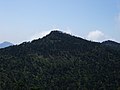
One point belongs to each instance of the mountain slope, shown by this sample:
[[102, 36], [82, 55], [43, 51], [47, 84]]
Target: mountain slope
[[59, 61], [5, 44]]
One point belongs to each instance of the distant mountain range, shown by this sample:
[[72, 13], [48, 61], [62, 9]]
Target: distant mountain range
[[5, 44], [60, 61]]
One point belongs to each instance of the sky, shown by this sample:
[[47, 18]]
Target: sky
[[25, 20]]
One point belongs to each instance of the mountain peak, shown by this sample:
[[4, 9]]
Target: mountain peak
[[55, 31], [56, 34], [5, 44]]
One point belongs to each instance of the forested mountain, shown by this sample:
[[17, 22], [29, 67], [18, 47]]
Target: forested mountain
[[112, 44], [5, 44], [60, 61]]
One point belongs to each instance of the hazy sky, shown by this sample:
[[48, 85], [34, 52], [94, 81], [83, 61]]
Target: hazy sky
[[23, 20]]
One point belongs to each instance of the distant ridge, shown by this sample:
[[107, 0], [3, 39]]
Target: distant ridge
[[112, 44], [5, 44]]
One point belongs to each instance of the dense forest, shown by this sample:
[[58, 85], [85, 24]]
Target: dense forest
[[60, 61]]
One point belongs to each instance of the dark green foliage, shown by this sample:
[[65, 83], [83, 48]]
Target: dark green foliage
[[60, 61]]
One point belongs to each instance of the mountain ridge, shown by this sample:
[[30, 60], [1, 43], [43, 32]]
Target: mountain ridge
[[5, 44], [59, 61]]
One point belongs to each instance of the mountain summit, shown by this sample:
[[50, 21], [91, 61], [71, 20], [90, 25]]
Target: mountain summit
[[60, 61]]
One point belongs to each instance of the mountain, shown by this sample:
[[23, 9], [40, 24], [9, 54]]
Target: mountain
[[60, 61], [112, 44], [5, 44]]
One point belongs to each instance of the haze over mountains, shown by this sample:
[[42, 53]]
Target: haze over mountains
[[60, 61], [5, 44]]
